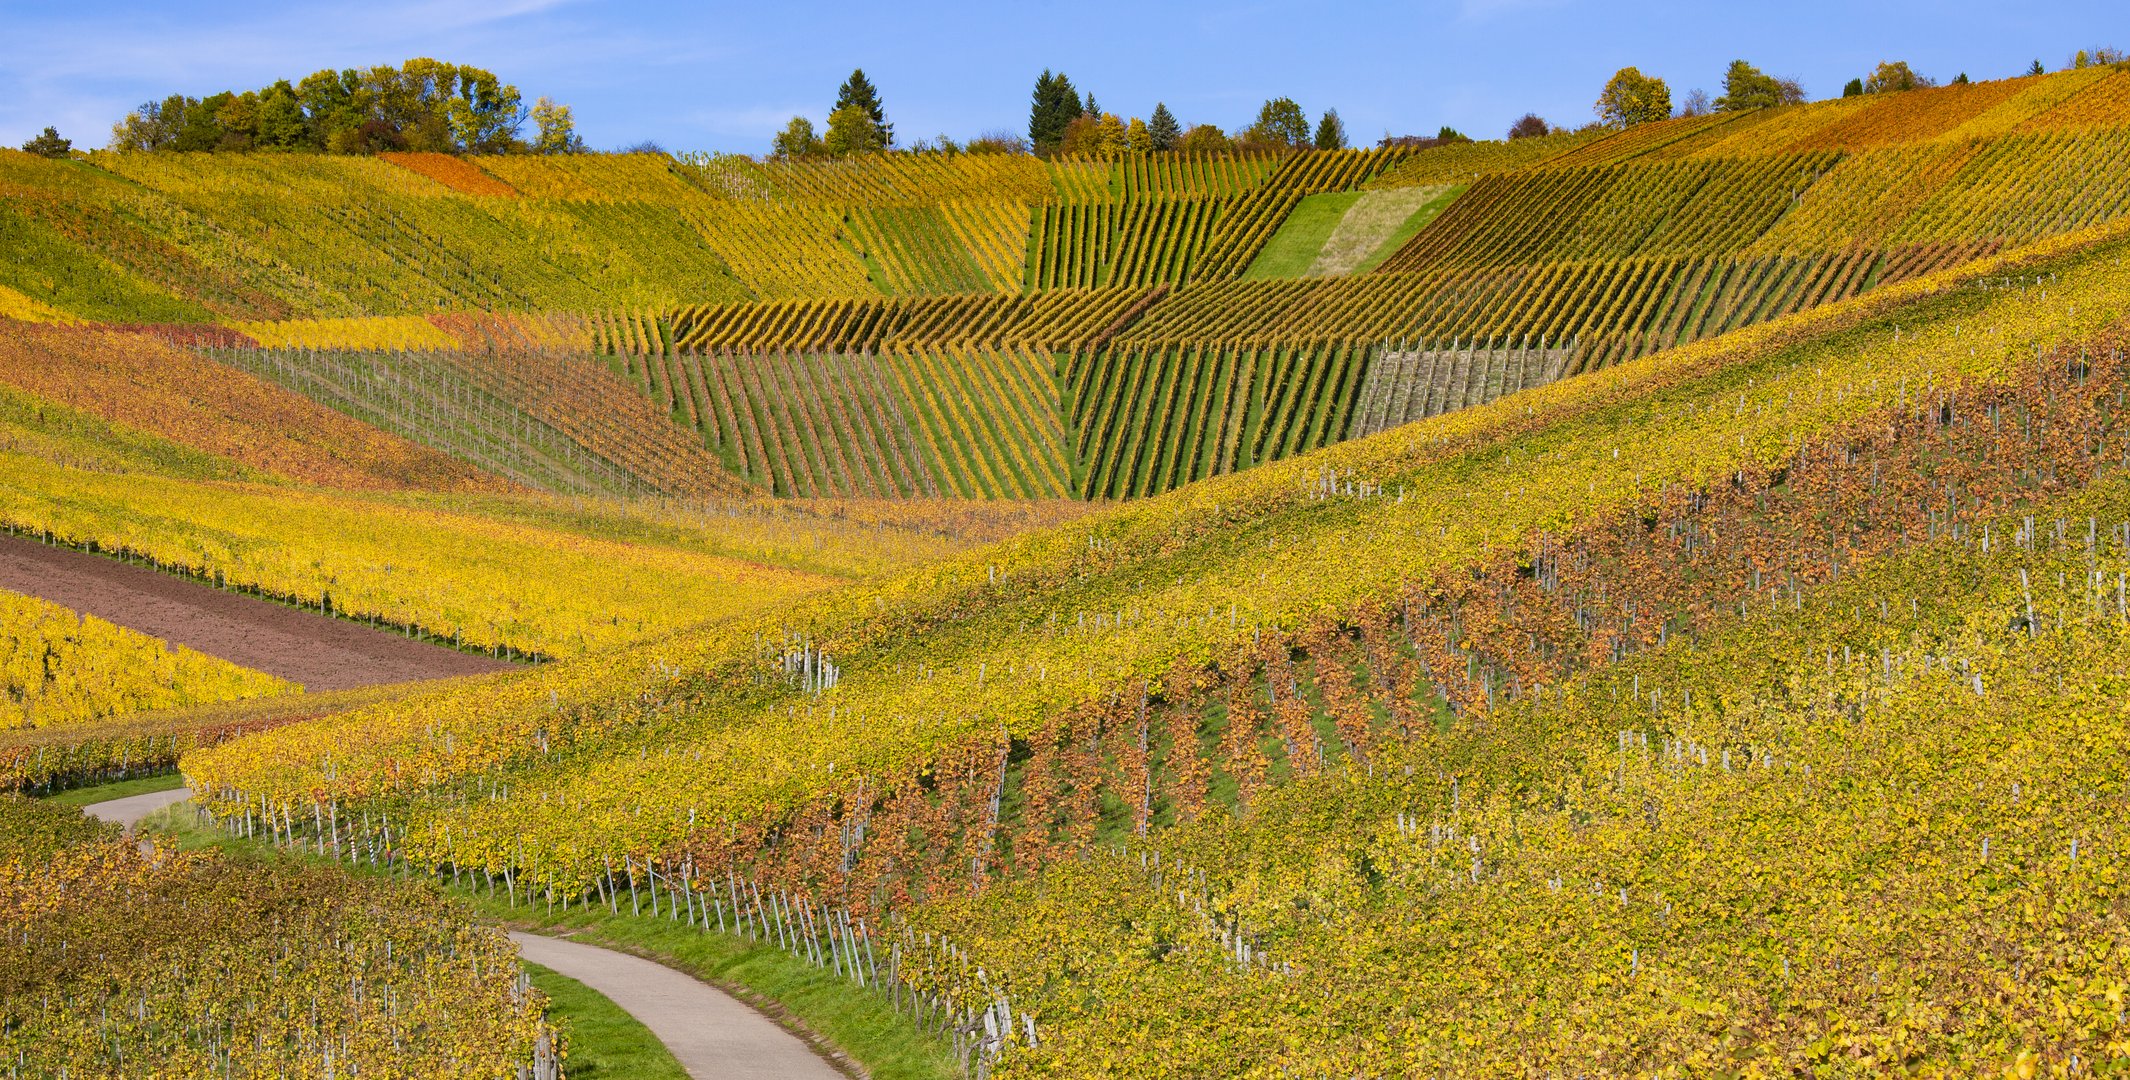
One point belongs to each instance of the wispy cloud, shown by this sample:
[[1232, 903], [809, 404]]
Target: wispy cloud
[[754, 121]]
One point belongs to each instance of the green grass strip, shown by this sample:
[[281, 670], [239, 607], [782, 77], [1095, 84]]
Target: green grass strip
[[604, 1042], [118, 789], [857, 1022], [1301, 237]]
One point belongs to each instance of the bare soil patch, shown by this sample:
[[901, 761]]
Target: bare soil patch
[[319, 652]]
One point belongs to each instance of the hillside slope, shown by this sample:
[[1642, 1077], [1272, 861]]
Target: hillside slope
[[1175, 596]]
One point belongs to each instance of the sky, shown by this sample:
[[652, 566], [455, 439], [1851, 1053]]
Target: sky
[[726, 77]]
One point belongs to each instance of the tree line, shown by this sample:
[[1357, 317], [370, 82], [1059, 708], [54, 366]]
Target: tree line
[[1630, 97], [1061, 120], [422, 105], [430, 105]]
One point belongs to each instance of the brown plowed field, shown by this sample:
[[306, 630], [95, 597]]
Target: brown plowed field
[[319, 652]]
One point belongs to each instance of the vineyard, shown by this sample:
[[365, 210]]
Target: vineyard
[[42, 760], [60, 668], [967, 423], [119, 962], [1087, 644], [1154, 417], [144, 384], [760, 307], [1258, 640], [458, 577], [1245, 614]]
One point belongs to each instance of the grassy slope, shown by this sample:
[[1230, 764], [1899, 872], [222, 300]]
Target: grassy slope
[[1406, 229], [1295, 246], [1347, 232], [604, 1043], [811, 1000]]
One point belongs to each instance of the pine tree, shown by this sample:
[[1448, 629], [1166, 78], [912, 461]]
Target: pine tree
[[1091, 109], [1163, 128], [49, 144], [1056, 105], [1331, 131], [1852, 88], [859, 91], [2037, 69]]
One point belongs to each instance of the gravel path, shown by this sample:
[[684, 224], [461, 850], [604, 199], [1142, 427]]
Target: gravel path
[[130, 810], [320, 652], [711, 1033]]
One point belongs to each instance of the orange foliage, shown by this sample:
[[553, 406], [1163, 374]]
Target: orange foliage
[[1910, 116], [144, 382], [2104, 104], [455, 173]]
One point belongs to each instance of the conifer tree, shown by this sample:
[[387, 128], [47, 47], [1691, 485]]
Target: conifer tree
[[1331, 131], [859, 91], [1056, 105], [1163, 128], [49, 144]]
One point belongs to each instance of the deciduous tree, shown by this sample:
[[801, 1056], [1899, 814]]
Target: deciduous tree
[[796, 140], [1748, 87], [1280, 122], [1892, 76], [859, 92], [423, 104], [1631, 98], [557, 129], [1137, 138], [851, 130], [1205, 139], [1099, 136], [1530, 126]]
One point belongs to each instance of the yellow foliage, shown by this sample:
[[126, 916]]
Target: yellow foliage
[[59, 668]]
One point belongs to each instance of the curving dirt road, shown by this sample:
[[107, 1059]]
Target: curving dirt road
[[317, 651], [710, 1033]]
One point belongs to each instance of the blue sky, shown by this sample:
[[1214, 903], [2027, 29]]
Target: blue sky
[[726, 76]]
